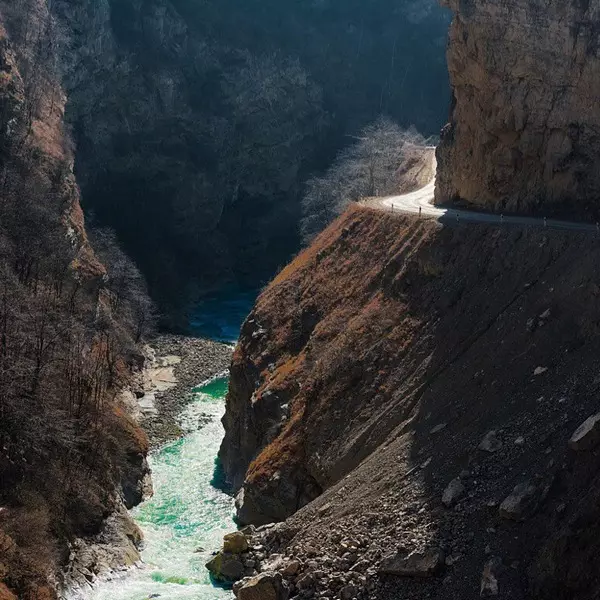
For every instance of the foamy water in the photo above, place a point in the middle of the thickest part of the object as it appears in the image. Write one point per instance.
(186, 519)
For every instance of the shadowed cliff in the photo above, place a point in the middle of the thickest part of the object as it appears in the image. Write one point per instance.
(372, 369)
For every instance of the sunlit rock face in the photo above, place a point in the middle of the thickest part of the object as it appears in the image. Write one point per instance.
(524, 129)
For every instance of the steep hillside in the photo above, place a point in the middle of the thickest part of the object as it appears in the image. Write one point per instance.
(523, 134)
(423, 382)
(196, 123)
(70, 454)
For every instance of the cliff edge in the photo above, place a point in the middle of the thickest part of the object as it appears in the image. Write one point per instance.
(71, 455)
(408, 393)
(523, 131)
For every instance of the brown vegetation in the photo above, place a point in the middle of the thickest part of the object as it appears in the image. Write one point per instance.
(68, 330)
(404, 326)
(384, 160)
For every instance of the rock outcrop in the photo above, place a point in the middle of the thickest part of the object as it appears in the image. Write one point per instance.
(374, 366)
(523, 135)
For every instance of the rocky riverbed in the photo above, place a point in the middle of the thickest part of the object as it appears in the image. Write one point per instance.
(173, 366)
(193, 361)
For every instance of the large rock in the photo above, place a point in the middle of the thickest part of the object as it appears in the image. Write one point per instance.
(490, 443)
(453, 492)
(525, 76)
(417, 564)
(489, 578)
(521, 503)
(235, 543)
(226, 568)
(267, 586)
(587, 435)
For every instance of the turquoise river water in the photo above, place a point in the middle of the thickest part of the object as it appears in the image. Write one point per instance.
(185, 520)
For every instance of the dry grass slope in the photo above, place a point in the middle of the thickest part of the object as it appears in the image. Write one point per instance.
(403, 326)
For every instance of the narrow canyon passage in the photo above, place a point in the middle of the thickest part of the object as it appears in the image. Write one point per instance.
(185, 520)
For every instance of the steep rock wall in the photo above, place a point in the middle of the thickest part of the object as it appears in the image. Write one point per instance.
(70, 453)
(374, 366)
(524, 127)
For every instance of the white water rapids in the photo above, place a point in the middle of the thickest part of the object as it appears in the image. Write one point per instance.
(186, 519)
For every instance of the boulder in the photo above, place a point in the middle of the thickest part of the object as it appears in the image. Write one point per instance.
(489, 578)
(267, 586)
(521, 503)
(306, 582)
(453, 492)
(226, 568)
(292, 568)
(587, 435)
(349, 591)
(235, 543)
(490, 443)
(438, 428)
(417, 564)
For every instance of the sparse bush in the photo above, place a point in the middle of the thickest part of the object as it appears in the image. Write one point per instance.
(129, 300)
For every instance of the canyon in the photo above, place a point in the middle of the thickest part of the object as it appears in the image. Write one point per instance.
(196, 125)
(412, 408)
(192, 144)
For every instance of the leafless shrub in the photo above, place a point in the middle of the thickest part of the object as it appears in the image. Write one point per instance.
(129, 300)
(372, 166)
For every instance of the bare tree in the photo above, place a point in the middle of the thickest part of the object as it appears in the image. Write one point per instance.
(372, 166)
(128, 296)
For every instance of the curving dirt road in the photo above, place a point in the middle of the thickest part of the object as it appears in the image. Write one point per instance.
(421, 202)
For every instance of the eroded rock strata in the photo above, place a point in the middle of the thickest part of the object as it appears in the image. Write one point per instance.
(524, 129)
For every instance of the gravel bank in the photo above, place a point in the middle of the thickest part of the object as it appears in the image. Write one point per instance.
(201, 359)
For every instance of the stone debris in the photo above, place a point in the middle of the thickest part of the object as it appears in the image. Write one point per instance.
(489, 578)
(453, 492)
(587, 435)
(416, 564)
(292, 568)
(226, 568)
(521, 503)
(438, 428)
(235, 543)
(235, 560)
(540, 371)
(266, 586)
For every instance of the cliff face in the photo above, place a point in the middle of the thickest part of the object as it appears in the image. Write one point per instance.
(523, 131)
(395, 357)
(70, 454)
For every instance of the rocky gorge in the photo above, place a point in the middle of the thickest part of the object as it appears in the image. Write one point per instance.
(413, 406)
(173, 366)
(195, 126)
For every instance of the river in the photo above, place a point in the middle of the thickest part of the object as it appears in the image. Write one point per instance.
(219, 316)
(185, 520)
